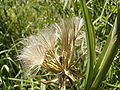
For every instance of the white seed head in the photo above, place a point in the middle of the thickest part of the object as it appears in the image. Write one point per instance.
(40, 50)
(36, 46)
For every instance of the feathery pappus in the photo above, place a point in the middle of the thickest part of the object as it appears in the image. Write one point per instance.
(54, 49)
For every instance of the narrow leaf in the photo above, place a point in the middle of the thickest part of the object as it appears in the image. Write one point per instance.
(90, 43)
(109, 53)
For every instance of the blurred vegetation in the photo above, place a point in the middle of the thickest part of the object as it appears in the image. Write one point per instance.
(21, 18)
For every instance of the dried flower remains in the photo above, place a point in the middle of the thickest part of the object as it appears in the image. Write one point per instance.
(54, 49)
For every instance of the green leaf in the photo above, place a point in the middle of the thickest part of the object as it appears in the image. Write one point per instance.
(108, 54)
(90, 43)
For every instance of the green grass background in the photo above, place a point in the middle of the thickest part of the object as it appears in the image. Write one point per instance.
(21, 18)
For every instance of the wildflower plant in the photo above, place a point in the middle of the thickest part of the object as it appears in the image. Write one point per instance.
(54, 50)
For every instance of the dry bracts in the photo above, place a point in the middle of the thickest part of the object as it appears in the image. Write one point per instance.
(53, 49)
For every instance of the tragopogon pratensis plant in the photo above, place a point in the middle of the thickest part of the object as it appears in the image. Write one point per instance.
(54, 50)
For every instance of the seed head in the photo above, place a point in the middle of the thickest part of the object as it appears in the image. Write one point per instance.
(42, 49)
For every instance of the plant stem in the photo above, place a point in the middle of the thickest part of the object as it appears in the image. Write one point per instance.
(73, 86)
(62, 81)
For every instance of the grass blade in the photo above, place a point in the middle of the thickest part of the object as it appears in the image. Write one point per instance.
(109, 53)
(90, 43)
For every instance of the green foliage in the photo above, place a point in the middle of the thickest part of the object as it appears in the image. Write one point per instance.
(21, 18)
